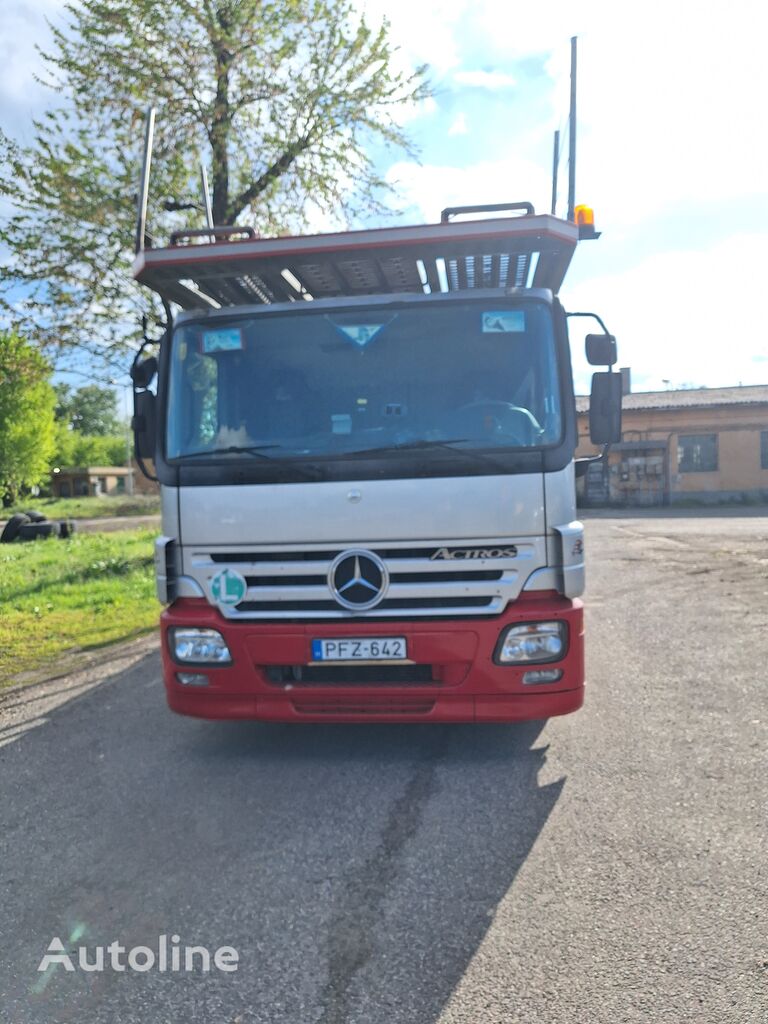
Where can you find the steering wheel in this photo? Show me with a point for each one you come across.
(502, 419)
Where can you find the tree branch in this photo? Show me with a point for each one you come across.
(262, 183)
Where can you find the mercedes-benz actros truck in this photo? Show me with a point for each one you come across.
(365, 443)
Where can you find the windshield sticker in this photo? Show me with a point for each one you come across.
(506, 321)
(361, 334)
(227, 339)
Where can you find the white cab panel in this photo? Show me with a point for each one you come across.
(363, 510)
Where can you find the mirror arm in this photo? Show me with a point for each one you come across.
(592, 316)
(582, 465)
(143, 467)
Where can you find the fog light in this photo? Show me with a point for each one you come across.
(542, 675)
(531, 641)
(199, 646)
(192, 678)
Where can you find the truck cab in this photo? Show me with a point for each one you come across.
(365, 445)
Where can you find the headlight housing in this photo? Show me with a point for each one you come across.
(193, 646)
(532, 643)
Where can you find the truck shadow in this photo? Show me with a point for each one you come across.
(356, 869)
(405, 921)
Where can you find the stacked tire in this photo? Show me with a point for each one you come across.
(26, 526)
(39, 530)
(12, 527)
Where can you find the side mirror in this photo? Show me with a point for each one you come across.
(601, 349)
(144, 424)
(605, 408)
(143, 372)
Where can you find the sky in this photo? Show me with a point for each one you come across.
(672, 154)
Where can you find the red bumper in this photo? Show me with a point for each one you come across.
(462, 684)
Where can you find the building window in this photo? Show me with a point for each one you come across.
(697, 453)
(764, 449)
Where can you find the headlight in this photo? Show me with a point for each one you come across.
(199, 646)
(532, 642)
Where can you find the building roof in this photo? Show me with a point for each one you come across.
(689, 398)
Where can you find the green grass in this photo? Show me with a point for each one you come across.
(72, 595)
(88, 508)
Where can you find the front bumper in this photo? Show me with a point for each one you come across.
(465, 685)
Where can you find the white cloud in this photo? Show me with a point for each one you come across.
(425, 31)
(24, 28)
(411, 111)
(429, 188)
(675, 318)
(459, 125)
(671, 96)
(492, 80)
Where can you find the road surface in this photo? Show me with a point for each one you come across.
(605, 867)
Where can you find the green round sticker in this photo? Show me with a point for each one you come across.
(228, 587)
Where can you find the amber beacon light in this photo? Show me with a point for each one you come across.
(584, 218)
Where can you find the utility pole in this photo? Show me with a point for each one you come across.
(572, 136)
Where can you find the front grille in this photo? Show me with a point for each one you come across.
(460, 576)
(325, 554)
(285, 581)
(469, 575)
(274, 556)
(292, 583)
(349, 675)
(369, 707)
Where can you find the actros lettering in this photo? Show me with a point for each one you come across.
(459, 554)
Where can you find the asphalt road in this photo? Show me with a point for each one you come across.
(610, 866)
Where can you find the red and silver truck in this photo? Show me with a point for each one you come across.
(365, 444)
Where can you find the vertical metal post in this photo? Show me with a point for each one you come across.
(141, 225)
(555, 162)
(129, 481)
(206, 195)
(572, 136)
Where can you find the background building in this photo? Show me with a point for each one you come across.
(85, 481)
(698, 445)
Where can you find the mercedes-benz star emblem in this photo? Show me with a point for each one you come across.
(358, 580)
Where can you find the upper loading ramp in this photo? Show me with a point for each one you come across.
(210, 268)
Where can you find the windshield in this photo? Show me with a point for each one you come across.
(334, 384)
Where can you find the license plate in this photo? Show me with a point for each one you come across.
(378, 648)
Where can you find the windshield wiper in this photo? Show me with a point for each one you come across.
(253, 449)
(409, 446)
(424, 445)
(282, 466)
